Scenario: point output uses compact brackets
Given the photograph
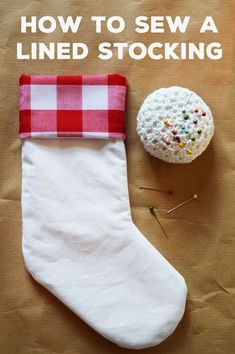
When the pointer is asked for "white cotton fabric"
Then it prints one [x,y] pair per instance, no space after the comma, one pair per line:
[80,243]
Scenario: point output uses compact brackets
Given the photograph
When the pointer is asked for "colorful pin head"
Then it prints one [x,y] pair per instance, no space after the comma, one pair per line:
[177,138]
[166,123]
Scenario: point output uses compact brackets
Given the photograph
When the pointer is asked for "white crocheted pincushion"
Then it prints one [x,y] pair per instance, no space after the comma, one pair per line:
[175,124]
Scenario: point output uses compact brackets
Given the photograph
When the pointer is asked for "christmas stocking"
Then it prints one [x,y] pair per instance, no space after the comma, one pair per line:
[79,240]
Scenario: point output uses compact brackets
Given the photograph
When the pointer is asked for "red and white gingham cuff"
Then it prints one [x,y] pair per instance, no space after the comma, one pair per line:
[85,106]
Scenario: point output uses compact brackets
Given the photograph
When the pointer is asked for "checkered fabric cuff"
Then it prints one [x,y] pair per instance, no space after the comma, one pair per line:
[86,106]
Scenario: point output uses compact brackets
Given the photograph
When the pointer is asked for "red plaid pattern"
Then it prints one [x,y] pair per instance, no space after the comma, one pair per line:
[86,106]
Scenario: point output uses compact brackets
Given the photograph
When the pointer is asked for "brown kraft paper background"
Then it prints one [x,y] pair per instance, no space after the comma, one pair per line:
[201,244]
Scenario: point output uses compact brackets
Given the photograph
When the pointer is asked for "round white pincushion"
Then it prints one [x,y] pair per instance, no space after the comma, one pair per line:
[175,124]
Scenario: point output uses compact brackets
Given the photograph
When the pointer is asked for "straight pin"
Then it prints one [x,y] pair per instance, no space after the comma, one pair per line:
[188,98]
[156,190]
[181,204]
[152,211]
